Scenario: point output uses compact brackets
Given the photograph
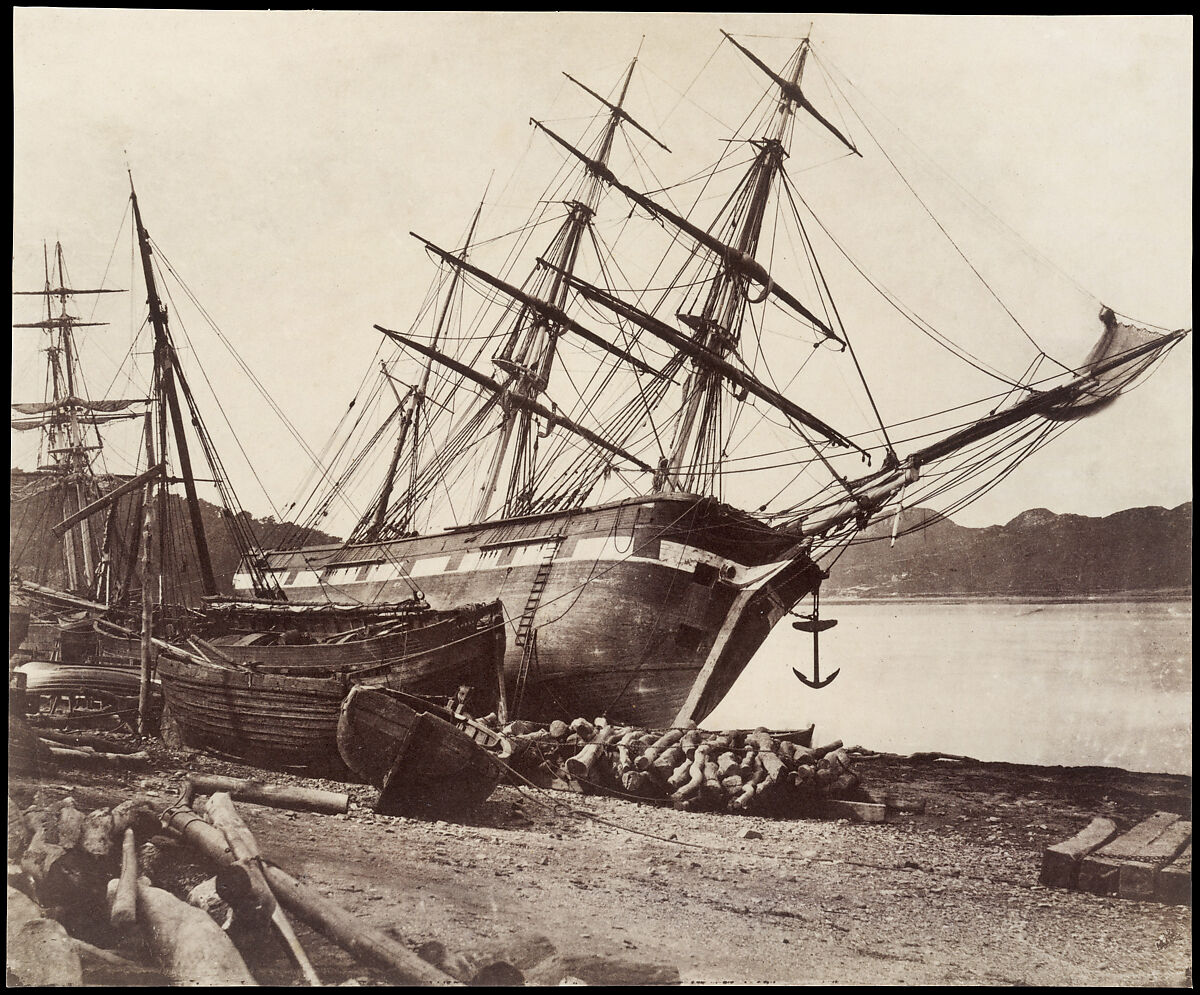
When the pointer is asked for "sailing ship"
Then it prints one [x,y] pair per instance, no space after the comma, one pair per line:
[66,567]
[567,440]
[261,676]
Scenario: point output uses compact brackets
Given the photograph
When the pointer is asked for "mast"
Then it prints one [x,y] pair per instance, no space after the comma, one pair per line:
[59,418]
[528,354]
[416,397]
[164,379]
[716,324]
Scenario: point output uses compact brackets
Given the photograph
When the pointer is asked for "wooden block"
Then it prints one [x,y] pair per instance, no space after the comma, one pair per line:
[1060,862]
[1174,882]
[1099,876]
[1136,880]
[1133,843]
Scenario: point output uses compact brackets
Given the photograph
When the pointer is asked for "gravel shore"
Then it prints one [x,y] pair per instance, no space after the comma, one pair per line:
[624,890]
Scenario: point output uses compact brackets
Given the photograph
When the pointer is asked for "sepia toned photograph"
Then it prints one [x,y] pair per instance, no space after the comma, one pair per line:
[573,498]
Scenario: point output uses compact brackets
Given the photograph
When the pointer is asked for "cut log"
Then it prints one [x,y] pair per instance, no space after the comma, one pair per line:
[97,839]
[580,766]
[79,739]
[583,729]
[189,947]
[21,909]
[367,944]
[695,776]
[624,757]
[70,825]
[745,798]
[42,954]
[559,729]
[761,740]
[669,760]
[86,756]
[123,911]
[272,795]
[774,769]
[658,747]
[822,751]
[1061,862]
[222,814]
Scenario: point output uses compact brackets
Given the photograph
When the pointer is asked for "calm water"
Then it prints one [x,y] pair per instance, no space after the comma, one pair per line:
[1103,683]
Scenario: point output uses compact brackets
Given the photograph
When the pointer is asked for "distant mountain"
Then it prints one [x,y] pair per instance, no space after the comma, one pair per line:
[34,507]
[1037,553]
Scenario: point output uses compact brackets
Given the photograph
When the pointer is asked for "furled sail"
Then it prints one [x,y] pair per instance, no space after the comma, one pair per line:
[1108,379]
[55,418]
[38,407]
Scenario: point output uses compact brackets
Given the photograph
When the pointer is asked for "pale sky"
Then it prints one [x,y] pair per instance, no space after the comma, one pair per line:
[281,159]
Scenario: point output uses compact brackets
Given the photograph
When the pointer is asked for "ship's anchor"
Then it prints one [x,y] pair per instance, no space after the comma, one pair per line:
[816,625]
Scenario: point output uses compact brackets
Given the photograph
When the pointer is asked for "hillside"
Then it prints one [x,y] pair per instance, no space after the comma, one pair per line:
[33,509]
[1037,553]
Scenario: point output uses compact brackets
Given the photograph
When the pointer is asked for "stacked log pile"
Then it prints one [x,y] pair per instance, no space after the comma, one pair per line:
[750,771]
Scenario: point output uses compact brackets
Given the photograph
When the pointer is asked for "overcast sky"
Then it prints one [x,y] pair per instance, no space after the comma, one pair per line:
[282,158]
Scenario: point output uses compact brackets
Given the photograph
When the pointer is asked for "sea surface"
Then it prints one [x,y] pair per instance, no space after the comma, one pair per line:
[1097,683]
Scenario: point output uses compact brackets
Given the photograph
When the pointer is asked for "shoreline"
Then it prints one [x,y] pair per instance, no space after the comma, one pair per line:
[1167,596]
[945,892]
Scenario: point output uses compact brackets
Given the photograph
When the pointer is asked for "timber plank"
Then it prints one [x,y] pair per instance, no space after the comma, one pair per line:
[1131,845]
[1061,862]
[1169,845]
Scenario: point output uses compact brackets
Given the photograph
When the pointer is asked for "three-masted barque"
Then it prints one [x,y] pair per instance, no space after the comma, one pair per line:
[564,441]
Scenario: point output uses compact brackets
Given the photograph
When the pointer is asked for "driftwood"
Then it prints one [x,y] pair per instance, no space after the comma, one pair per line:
[123,911]
[369,945]
[79,740]
[190,948]
[275,796]
[42,954]
[86,756]
[97,840]
[70,824]
[222,814]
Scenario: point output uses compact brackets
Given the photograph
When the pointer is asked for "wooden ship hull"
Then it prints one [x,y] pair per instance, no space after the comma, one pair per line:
[278,705]
[646,610]
[421,763]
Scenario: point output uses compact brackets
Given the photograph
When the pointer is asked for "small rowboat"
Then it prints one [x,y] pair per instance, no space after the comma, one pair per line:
[422,763]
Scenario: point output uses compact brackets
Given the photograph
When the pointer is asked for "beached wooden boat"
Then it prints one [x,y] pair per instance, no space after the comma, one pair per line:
[422,763]
[276,705]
